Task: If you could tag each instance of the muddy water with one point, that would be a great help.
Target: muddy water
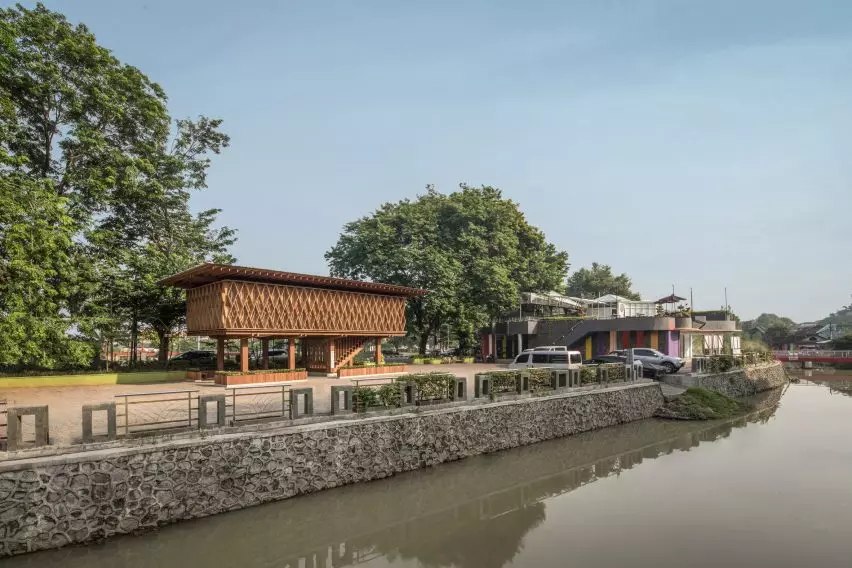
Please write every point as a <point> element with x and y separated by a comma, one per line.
<point>773,489</point>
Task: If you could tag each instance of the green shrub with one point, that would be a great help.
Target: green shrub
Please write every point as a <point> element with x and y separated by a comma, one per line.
<point>434,361</point>
<point>703,404</point>
<point>467,360</point>
<point>365,397</point>
<point>504,381</point>
<point>417,360</point>
<point>588,375</point>
<point>540,379</point>
<point>431,386</point>
<point>389,395</point>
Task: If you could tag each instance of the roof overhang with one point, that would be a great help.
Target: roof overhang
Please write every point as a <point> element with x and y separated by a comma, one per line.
<point>208,273</point>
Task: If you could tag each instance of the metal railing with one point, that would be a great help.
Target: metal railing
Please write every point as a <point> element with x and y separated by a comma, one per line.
<point>257,402</point>
<point>4,425</point>
<point>807,353</point>
<point>162,410</point>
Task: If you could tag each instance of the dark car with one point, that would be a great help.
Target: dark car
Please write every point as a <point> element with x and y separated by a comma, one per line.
<point>649,370</point>
<point>198,356</point>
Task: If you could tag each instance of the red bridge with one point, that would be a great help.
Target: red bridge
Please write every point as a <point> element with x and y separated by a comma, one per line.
<point>814,356</point>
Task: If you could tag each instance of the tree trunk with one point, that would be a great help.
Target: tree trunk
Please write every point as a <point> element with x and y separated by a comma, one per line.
<point>424,339</point>
<point>165,341</point>
<point>134,338</point>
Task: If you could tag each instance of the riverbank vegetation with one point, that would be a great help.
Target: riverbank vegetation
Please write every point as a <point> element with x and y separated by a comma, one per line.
<point>702,404</point>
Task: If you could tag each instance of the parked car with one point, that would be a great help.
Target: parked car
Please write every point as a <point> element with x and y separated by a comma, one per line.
<point>556,359</point>
<point>195,357</point>
<point>649,370</point>
<point>654,357</point>
<point>275,356</point>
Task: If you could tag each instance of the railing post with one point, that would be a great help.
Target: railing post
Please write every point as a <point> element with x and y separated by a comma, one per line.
<point>459,391</point>
<point>482,385</point>
<point>203,400</point>
<point>15,437</point>
<point>307,408</point>
<point>88,410</point>
<point>336,407</point>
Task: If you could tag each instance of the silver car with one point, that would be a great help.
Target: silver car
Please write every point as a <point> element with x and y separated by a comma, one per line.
<point>647,355</point>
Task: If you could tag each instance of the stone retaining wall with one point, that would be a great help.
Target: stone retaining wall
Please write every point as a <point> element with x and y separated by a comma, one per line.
<point>740,383</point>
<point>51,501</point>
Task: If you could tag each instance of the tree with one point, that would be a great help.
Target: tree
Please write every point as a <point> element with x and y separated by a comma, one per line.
<point>88,137</point>
<point>599,281</point>
<point>776,335</point>
<point>844,343</point>
<point>472,249</point>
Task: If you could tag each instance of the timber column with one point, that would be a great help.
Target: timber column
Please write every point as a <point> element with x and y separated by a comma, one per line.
<point>244,355</point>
<point>330,354</point>
<point>378,351</point>
<point>220,353</point>
<point>291,352</point>
<point>265,352</point>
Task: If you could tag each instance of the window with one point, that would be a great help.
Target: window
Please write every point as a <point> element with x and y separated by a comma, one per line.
<point>539,358</point>
<point>644,352</point>
<point>576,358</point>
<point>559,358</point>
<point>523,358</point>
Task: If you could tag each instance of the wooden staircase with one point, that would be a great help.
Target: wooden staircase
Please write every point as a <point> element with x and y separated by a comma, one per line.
<point>347,348</point>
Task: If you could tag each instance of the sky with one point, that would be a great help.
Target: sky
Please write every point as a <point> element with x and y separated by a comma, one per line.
<point>704,145</point>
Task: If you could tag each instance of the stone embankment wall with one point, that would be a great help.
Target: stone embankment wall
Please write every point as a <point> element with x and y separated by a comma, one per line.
<point>738,384</point>
<point>51,501</point>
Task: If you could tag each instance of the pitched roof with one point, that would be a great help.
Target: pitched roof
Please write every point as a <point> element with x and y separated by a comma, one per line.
<point>209,272</point>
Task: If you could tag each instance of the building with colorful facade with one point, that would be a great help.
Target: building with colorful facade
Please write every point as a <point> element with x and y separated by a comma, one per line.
<point>597,326</point>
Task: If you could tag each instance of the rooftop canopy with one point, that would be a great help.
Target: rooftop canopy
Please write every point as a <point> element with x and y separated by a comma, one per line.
<point>208,272</point>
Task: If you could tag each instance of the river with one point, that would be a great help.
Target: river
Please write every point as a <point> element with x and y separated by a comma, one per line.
<point>770,489</point>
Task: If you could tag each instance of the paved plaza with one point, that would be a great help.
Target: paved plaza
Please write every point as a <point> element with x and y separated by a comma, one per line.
<point>65,403</point>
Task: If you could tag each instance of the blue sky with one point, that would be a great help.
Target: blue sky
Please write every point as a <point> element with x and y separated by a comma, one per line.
<point>700,144</point>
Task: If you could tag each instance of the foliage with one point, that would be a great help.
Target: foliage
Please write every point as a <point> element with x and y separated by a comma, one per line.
<point>844,343</point>
<point>721,363</point>
<point>598,281</point>
<point>504,381</point>
<point>432,386</point>
<point>258,372</point>
<point>364,397</point>
<point>588,374</point>
<point>88,167</point>
<point>472,249</point>
<point>755,346</point>
<point>389,395</point>
<point>703,404</point>
<point>540,379</point>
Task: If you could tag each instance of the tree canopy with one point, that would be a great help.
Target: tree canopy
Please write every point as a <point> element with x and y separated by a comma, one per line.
<point>472,249</point>
<point>599,280</point>
<point>94,191</point>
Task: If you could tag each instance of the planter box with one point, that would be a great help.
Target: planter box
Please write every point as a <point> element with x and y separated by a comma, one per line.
<point>200,375</point>
<point>366,371</point>
<point>257,378</point>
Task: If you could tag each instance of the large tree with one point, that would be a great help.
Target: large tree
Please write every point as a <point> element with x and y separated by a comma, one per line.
<point>472,249</point>
<point>599,280</point>
<point>91,137</point>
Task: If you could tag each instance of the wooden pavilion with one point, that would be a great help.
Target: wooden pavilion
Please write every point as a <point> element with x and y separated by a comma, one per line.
<point>333,318</point>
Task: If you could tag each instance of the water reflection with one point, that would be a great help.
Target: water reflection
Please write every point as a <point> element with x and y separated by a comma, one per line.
<point>474,513</point>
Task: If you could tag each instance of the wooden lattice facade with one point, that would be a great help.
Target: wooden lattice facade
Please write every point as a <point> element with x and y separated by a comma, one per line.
<point>333,318</point>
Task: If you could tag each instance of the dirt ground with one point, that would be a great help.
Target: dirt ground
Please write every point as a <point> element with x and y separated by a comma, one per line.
<point>65,403</point>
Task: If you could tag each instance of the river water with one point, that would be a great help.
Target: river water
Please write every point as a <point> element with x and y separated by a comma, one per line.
<point>770,489</point>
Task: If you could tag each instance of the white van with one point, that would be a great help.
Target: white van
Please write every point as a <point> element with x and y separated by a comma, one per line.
<point>555,359</point>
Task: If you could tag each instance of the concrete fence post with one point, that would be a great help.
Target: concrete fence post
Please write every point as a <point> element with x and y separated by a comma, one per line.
<point>482,386</point>
<point>203,420</point>
<point>573,377</point>
<point>408,392</point>
<point>346,407</point>
<point>88,411</point>
<point>14,434</point>
<point>522,383</point>
<point>603,375</point>
<point>459,390</point>
<point>306,409</point>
